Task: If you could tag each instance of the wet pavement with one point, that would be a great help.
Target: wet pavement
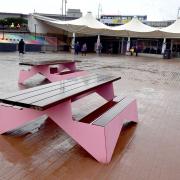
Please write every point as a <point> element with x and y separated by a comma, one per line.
<point>147,151</point>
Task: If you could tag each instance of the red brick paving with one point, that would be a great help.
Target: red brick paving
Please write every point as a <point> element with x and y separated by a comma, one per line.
<point>147,151</point>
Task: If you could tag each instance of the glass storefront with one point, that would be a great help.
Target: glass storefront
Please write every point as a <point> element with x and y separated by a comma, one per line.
<point>149,46</point>
<point>176,48</point>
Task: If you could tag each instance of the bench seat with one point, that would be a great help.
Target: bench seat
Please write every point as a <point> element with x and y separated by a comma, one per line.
<point>120,105</point>
<point>109,119</point>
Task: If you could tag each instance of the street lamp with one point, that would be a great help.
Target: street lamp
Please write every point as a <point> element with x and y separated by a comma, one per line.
<point>178,14</point>
<point>99,10</point>
<point>65,9</point>
<point>62,7</point>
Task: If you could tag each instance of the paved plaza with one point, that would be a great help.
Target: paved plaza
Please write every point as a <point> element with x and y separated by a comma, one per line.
<point>149,150</point>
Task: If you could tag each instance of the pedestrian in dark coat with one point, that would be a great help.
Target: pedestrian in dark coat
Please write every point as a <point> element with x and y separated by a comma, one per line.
<point>77,48</point>
<point>21,46</point>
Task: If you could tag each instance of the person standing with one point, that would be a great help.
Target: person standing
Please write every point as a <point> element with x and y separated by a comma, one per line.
<point>21,46</point>
<point>132,50</point>
<point>84,49</point>
<point>76,48</point>
<point>99,48</point>
<point>137,50</point>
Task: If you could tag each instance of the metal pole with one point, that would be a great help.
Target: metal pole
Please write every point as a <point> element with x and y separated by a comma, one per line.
<point>163,46</point>
<point>3,31</point>
<point>73,41</point>
<point>171,44</point>
<point>178,15</point>
<point>65,9</point>
<point>62,7</point>
<point>122,45</point>
<point>99,9</point>
<point>128,44</point>
<point>73,45</point>
<point>35,30</point>
<point>119,46</point>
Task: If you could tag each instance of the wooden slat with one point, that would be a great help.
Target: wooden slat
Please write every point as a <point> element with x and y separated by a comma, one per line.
<point>113,112</point>
<point>58,88</point>
<point>61,90</point>
<point>41,87</point>
<point>43,98</point>
<point>54,100</point>
<point>52,62</point>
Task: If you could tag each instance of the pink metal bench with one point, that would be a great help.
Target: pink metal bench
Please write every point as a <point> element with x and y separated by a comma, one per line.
<point>97,133</point>
<point>44,68</point>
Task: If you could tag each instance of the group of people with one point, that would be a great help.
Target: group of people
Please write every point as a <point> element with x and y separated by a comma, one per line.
<point>78,48</point>
<point>134,50</point>
<point>83,48</point>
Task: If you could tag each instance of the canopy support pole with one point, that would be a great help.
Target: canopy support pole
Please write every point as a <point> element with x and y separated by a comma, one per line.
<point>128,44</point>
<point>163,46</point>
<point>73,45</point>
<point>119,46</point>
<point>171,44</point>
<point>98,45</point>
<point>122,45</point>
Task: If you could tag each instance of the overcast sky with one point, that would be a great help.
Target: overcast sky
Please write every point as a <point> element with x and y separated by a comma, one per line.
<point>154,9</point>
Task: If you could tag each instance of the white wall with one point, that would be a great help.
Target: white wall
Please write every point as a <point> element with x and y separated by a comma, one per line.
<point>41,27</point>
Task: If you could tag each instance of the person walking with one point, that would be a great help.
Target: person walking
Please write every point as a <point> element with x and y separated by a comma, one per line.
<point>99,48</point>
<point>76,48</point>
<point>132,50</point>
<point>137,50</point>
<point>84,49</point>
<point>21,46</point>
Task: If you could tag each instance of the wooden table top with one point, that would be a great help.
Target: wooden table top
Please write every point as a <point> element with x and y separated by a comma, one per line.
<point>51,62</point>
<point>45,96</point>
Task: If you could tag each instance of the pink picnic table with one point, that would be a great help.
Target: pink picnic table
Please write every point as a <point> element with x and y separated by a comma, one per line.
<point>97,133</point>
<point>45,68</point>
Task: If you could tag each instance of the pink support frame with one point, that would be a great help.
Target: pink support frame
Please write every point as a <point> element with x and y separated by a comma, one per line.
<point>45,71</point>
<point>97,140</point>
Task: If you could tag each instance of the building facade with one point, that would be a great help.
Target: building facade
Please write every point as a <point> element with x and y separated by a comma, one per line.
<point>44,41</point>
<point>115,20</point>
<point>159,24</point>
<point>71,14</point>
<point>4,15</point>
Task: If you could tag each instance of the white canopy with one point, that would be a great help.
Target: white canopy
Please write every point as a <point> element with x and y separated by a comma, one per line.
<point>136,28</point>
<point>88,25</point>
<point>172,31</point>
<point>84,25</point>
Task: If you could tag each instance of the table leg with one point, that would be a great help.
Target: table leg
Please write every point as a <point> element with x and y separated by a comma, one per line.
<point>61,67</point>
<point>24,75</point>
<point>11,117</point>
<point>71,66</point>
<point>45,71</point>
<point>106,91</point>
<point>90,137</point>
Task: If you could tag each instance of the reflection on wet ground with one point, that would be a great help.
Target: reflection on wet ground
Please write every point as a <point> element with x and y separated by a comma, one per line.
<point>149,150</point>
